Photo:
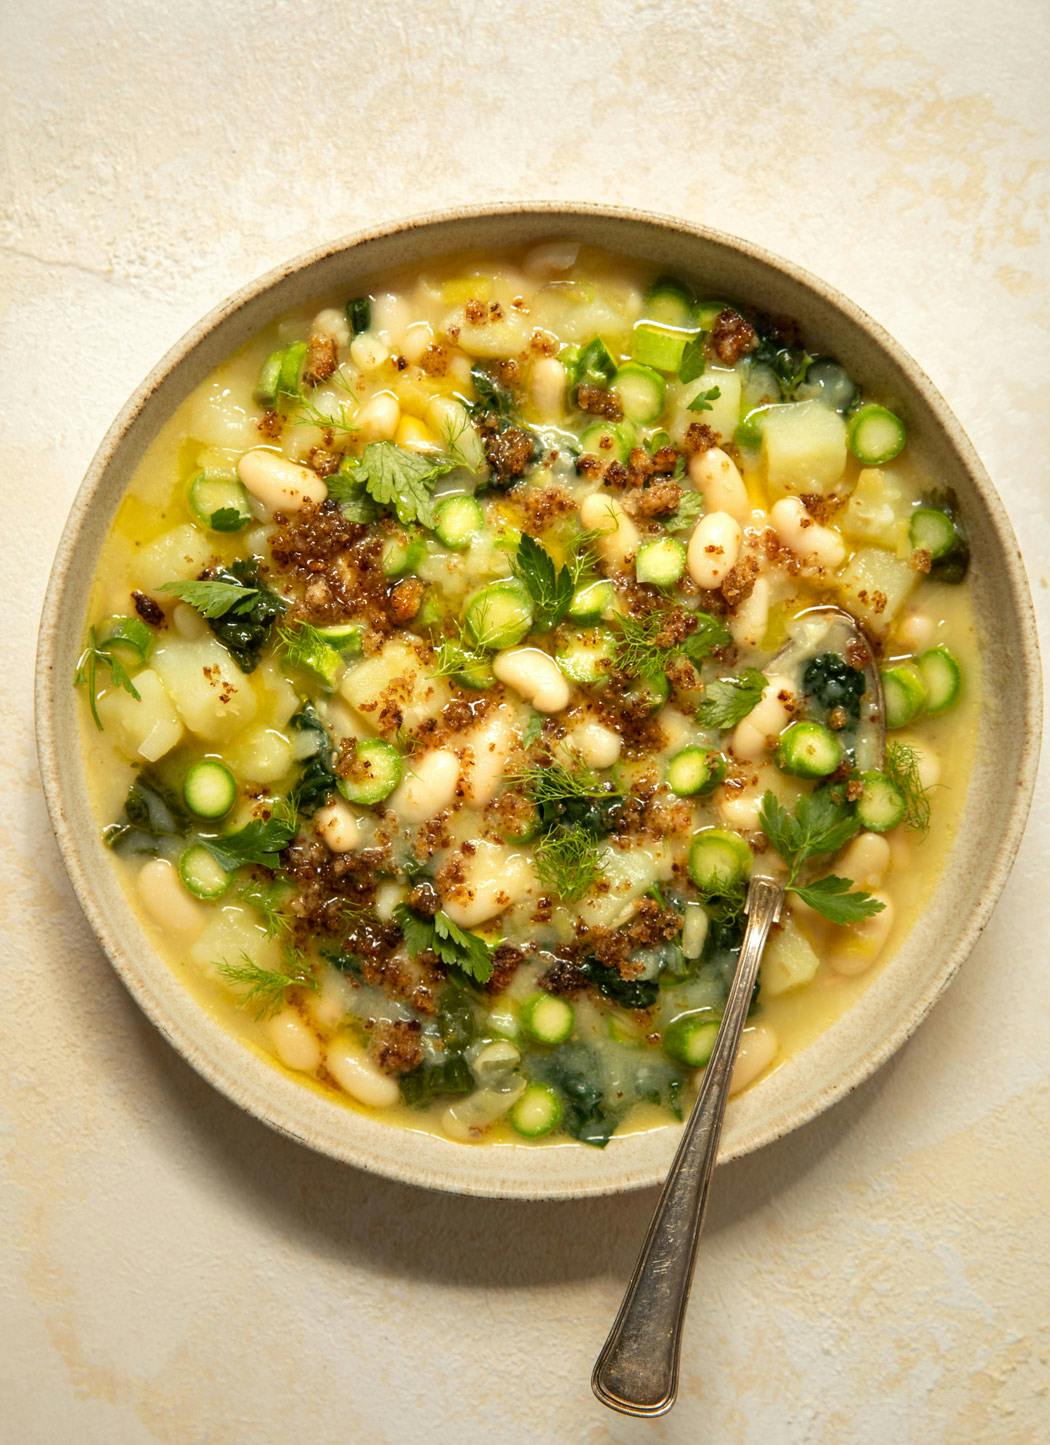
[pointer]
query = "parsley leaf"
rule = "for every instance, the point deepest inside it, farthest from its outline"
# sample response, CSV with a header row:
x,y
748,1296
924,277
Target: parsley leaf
x,y
401,479
213,599
549,587
260,842
532,729
833,898
95,655
348,489
687,514
729,699
703,399
693,359
820,825
709,634
455,946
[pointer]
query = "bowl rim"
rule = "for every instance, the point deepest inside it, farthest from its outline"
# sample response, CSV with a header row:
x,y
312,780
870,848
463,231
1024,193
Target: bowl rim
x,y
560,214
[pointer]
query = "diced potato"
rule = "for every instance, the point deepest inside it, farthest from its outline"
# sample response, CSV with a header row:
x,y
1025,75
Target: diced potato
x,y
147,728
503,335
212,694
263,755
175,556
874,585
629,874
788,962
449,420
877,511
230,934
577,312
277,697
393,690
216,416
724,410
804,446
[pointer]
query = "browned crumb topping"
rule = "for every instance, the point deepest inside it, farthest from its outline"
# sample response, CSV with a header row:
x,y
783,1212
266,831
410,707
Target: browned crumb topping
x,y
599,401
731,337
321,360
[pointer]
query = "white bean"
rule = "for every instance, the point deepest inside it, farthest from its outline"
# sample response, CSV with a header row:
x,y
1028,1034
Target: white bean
x,y
330,1004
547,387
367,352
617,537
758,732
339,826
713,549
535,676
332,324
758,1049
357,1076
739,809
597,745
716,477
551,258
493,878
388,896
864,941
929,766
916,631
428,788
166,900
378,419
817,547
416,339
188,622
866,860
487,750
293,1043
749,624
280,485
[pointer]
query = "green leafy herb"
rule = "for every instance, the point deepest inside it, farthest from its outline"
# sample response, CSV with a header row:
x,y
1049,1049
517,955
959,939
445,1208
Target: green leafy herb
x,y
401,479
687,514
570,796
567,862
307,648
95,655
151,813
455,946
693,359
213,599
265,988
703,399
643,648
316,781
902,768
348,489
260,842
493,399
532,729
730,699
268,900
549,587
821,824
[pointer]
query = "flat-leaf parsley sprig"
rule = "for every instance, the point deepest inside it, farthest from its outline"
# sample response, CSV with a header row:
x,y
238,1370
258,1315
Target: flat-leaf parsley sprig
x,y
818,826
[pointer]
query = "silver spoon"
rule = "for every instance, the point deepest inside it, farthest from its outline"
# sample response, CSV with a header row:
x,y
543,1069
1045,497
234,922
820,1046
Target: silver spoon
x,y
637,1370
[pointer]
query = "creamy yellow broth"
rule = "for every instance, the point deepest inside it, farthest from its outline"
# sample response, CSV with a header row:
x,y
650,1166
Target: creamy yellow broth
x,y
157,538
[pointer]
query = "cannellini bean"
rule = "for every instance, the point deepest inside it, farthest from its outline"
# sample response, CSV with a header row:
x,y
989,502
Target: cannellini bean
x,y
749,624
617,537
388,896
340,827
331,323
863,942
428,788
547,387
367,352
739,809
758,1049
487,749
551,258
166,900
758,732
293,1043
535,676
815,546
280,485
357,1076
929,766
916,631
188,622
377,421
597,745
866,860
493,878
713,549
716,477
416,340
329,1005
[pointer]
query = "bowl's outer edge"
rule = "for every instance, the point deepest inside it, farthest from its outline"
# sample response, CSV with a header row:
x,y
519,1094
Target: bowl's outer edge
x,y
632,1161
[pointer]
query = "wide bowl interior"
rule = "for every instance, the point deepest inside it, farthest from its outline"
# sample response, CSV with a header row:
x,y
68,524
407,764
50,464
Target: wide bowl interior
x,y
896,1001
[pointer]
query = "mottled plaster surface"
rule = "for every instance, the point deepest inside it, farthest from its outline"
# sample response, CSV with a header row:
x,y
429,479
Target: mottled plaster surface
x,y
172,1271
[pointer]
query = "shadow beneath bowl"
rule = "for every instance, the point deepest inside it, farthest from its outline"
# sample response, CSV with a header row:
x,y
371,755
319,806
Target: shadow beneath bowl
x,y
388,1228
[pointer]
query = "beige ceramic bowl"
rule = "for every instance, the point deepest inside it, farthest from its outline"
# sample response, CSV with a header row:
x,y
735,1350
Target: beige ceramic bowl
x,y
895,1003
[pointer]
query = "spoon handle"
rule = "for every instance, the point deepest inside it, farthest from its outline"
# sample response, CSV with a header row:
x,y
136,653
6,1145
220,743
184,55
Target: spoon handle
x,y
637,1370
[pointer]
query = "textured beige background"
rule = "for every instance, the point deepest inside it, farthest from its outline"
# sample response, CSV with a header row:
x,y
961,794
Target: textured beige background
x,y
172,1271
